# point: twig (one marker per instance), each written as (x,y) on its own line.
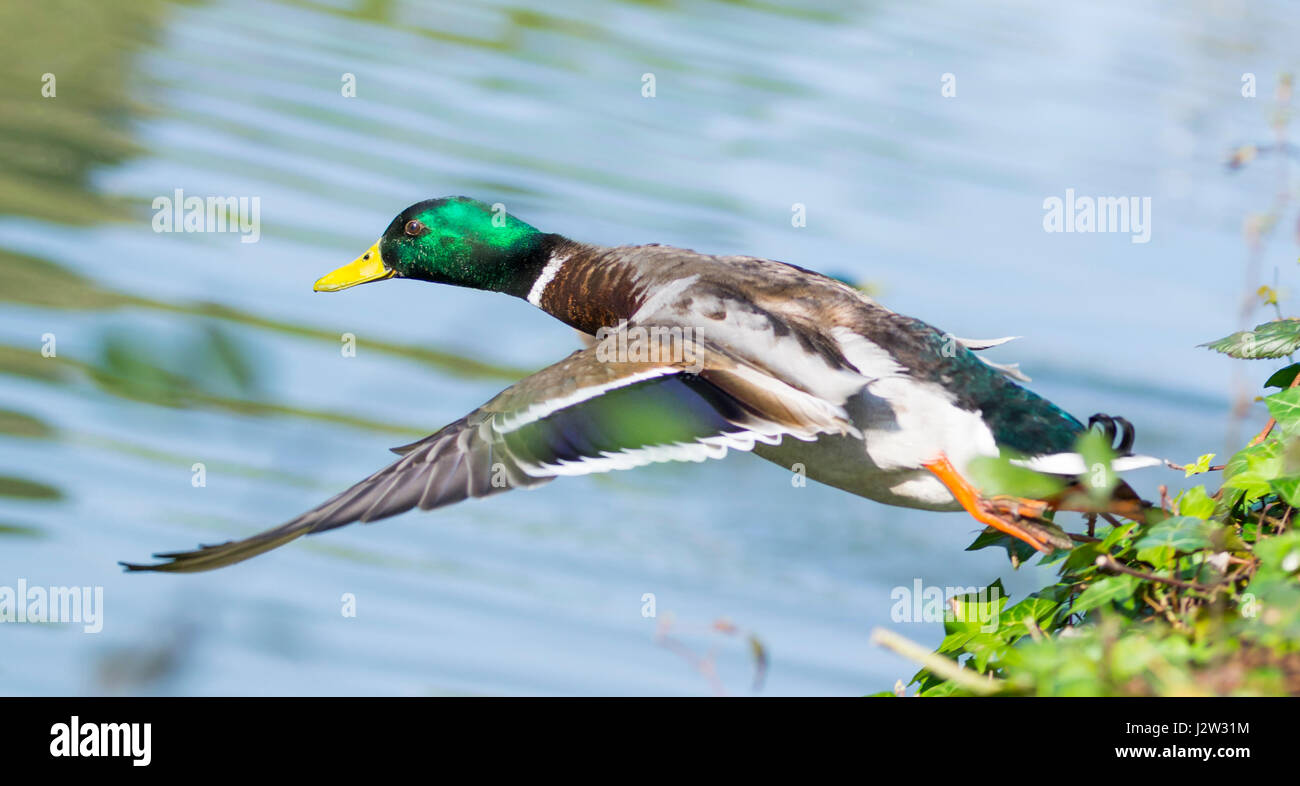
(938,665)
(1109,564)
(1162,607)
(1111,520)
(1183,467)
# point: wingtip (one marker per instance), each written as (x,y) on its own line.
(155,567)
(132,567)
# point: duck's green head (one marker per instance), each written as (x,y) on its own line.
(454,240)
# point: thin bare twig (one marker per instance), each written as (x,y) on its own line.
(938,665)
(1109,564)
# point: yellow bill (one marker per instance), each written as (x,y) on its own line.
(367,267)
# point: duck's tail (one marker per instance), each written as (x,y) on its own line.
(1124,501)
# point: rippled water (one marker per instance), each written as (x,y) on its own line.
(180,348)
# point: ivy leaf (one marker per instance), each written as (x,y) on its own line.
(1283,377)
(1285,408)
(1180,533)
(1196,503)
(954,642)
(1112,589)
(1082,556)
(1035,610)
(985,647)
(1202,464)
(1282,552)
(1115,535)
(1275,339)
(1252,469)
(997,475)
(1279,559)
(974,612)
(1288,489)
(942,689)
(1018,551)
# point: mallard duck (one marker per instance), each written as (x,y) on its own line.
(695,355)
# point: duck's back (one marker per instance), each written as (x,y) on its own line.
(813,330)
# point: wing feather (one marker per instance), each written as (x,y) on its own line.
(578,416)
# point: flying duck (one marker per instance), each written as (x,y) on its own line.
(692,355)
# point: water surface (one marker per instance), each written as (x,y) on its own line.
(180,348)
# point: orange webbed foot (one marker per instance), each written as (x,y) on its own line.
(1005,514)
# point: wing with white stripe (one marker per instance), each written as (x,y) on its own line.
(579,416)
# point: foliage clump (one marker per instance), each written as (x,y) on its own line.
(1202,597)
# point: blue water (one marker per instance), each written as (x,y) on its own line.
(936,203)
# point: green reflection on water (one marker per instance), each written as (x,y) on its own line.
(20,424)
(50,146)
(21,488)
(135,374)
(39,282)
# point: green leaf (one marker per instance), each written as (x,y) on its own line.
(1283,377)
(1270,340)
(1195,502)
(1288,489)
(1112,589)
(985,647)
(1083,555)
(974,612)
(1275,580)
(1018,551)
(1253,468)
(942,689)
(1115,535)
(1180,533)
(954,642)
(1131,655)
(1202,464)
(1285,408)
(1035,608)
(997,475)
(1282,552)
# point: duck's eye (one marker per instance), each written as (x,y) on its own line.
(414,228)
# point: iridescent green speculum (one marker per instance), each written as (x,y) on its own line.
(465,242)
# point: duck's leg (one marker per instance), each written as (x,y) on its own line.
(1020,507)
(986,512)
(1123,502)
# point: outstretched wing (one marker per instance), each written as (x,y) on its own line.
(584,414)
